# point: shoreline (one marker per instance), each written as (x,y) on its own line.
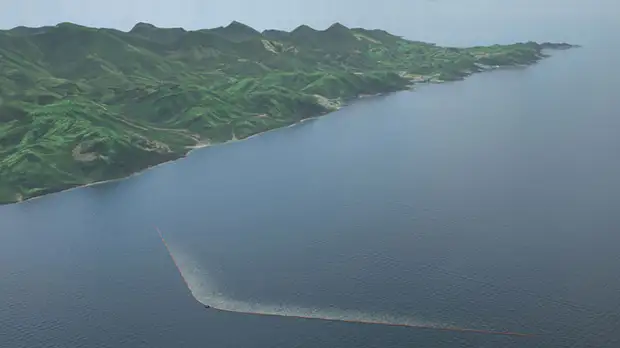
(191,148)
(411,87)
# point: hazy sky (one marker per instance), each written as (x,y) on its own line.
(412,18)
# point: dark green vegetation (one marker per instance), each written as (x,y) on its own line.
(80,105)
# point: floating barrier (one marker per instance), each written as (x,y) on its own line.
(329,315)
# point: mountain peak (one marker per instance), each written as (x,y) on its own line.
(303,29)
(236,31)
(236,24)
(341,34)
(337,26)
(71,25)
(240,27)
(141,26)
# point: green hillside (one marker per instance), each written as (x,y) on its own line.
(80,105)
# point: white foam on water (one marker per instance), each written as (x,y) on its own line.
(204,289)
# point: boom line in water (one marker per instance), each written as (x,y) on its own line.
(355,321)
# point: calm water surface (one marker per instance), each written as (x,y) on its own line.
(487,203)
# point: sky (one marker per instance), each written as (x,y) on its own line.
(416,19)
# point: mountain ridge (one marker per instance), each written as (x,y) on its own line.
(80,105)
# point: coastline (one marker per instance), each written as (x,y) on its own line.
(200,145)
(191,148)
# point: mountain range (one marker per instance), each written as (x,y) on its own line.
(80,105)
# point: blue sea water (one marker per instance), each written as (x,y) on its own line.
(489,203)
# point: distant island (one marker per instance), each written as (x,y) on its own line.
(80,105)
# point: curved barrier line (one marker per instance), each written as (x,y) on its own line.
(355,321)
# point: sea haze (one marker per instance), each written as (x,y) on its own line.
(489,203)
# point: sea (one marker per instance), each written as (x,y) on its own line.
(489,204)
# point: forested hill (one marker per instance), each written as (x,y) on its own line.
(80,105)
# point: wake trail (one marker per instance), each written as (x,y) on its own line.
(217,301)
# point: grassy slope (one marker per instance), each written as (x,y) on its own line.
(79,105)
